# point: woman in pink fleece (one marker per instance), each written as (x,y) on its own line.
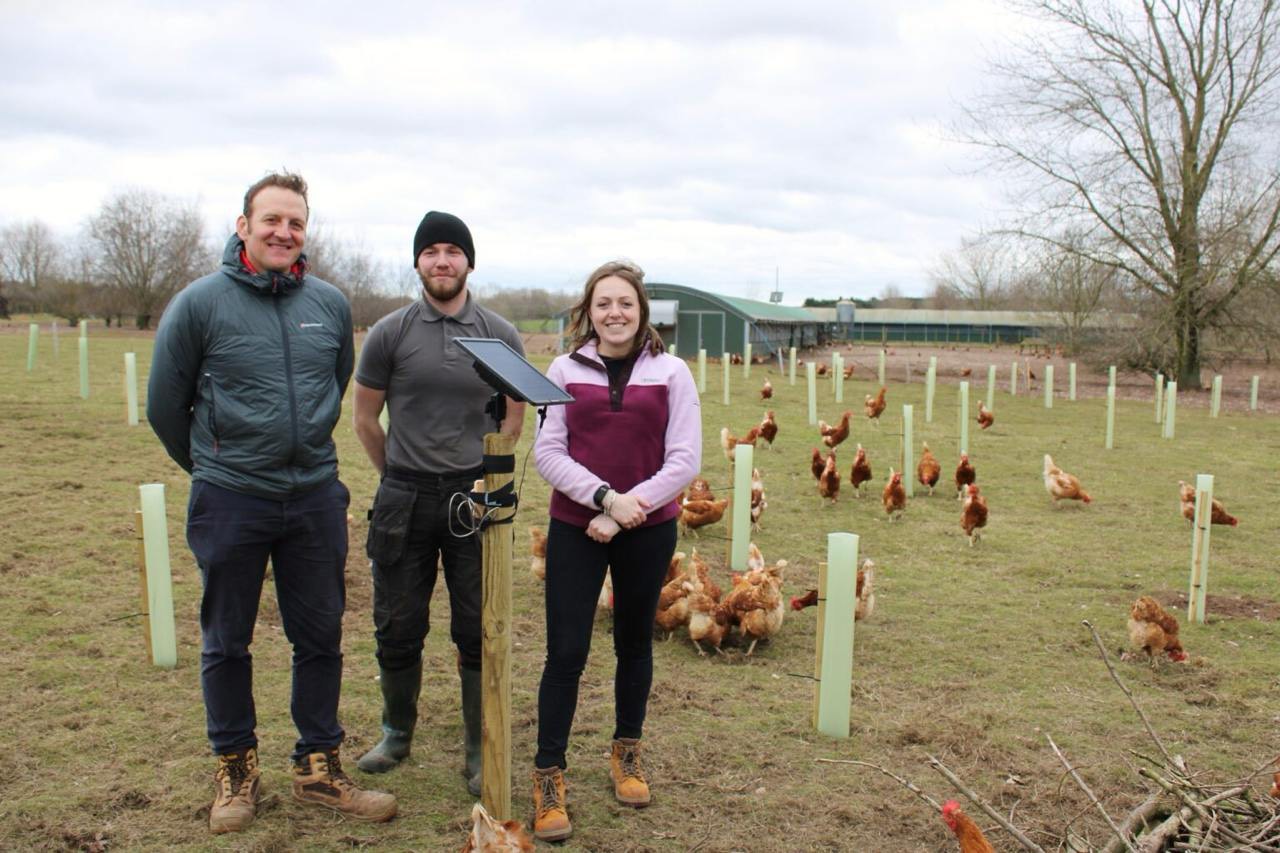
(617,457)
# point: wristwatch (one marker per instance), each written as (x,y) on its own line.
(598,497)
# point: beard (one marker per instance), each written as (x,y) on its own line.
(443,291)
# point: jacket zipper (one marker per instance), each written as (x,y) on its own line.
(213,419)
(288,372)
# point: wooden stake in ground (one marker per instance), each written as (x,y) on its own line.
(1111,416)
(1200,548)
(495,651)
(702,380)
(811,373)
(1048,386)
(1170,408)
(1215,398)
(131,388)
(33,342)
(964,417)
(740,507)
(793,365)
(908,450)
(725,363)
(837,584)
(155,532)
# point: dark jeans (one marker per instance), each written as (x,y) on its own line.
(637,560)
(403,585)
(232,535)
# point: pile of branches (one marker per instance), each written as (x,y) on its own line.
(1183,812)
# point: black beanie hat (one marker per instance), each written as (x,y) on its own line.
(438,227)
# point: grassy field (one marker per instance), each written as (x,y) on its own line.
(973,655)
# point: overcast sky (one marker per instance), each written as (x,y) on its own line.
(711,142)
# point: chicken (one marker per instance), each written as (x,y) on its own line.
(758,503)
(1062,486)
(964,475)
(755,560)
(864,593)
(735,358)
(604,602)
(816,464)
(755,604)
(702,575)
(695,514)
(861,471)
(966,371)
(821,370)
(928,470)
(1218,513)
(829,479)
(1154,631)
(966,831)
(985,416)
(673,600)
(894,495)
(974,514)
(1275,786)
(766,390)
(848,372)
(875,405)
(833,434)
(700,490)
(490,836)
(729,441)
(769,427)
(538,552)
(707,622)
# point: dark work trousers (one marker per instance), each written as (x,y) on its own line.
(232,535)
(402,587)
(637,560)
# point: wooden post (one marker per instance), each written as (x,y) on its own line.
(746,361)
(1200,548)
(811,373)
(1253,394)
(142,582)
(84,368)
(930,382)
(964,417)
(1159,397)
(1170,409)
(155,531)
(33,342)
(792,369)
(726,365)
(908,451)
(495,652)
(991,386)
(838,376)
(702,371)
(740,507)
(1071,381)
(131,388)
(1048,386)
(837,596)
(1111,416)
(881,371)
(1215,397)
(1013,379)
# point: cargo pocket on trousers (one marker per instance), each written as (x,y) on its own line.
(390,521)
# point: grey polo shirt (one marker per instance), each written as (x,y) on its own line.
(435,398)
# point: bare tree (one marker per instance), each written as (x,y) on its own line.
(30,264)
(980,273)
(146,247)
(1149,125)
(1073,286)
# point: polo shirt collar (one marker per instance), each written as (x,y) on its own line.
(431,314)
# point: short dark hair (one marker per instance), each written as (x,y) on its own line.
(284,180)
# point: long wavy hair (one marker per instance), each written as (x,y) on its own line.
(580,328)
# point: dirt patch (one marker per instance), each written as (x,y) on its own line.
(1226,606)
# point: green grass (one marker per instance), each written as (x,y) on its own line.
(973,655)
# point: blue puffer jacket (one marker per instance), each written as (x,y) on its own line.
(248,375)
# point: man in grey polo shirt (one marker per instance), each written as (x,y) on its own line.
(433,451)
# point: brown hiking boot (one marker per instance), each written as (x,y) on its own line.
(237,780)
(318,778)
(629,785)
(550,805)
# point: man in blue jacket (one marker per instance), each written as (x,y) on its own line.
(246,385)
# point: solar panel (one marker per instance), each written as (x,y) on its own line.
(507,371)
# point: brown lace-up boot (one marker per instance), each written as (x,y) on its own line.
(550,805)
(237,798)
(629,785)
(318,778)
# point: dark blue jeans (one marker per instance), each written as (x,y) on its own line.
(418,537)
(637,560)
(232,535)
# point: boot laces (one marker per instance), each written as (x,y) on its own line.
(333,768)
(234,772)
(630,760)
(550,793)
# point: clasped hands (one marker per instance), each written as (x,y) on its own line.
(625,511)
